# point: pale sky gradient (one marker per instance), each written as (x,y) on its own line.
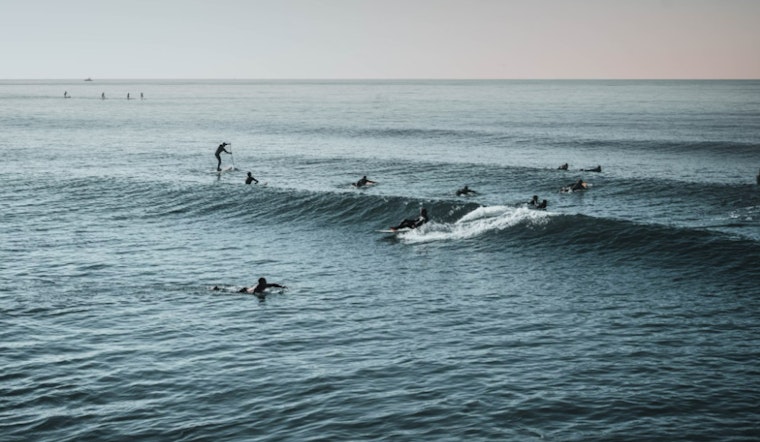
(342,39)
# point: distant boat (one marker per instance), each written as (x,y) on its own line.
(88,79)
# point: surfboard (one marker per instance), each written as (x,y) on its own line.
(392,231)
(366,185)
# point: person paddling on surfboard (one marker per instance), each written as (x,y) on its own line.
(258,291)
(219,150)
(578,185)
(250,179)
(413,223)
(363,182)
(465,191)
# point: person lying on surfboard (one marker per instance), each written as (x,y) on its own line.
(363,182)
(250,178)
(260,288)
(465,191)
(413,223)
(578,185)
(219,150)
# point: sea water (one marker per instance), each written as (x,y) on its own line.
(629,311)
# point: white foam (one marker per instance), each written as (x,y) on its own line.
(476,223)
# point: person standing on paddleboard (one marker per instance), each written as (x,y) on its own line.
(218,156)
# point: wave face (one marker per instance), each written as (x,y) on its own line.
(630,308)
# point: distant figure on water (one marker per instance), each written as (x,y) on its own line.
(595,169)
(66,94)
(563,167)
(363,182)
(127,95)
(262,285)
(578,185)
(103,96)
(141,96)
(465,191)
(218,156)
(413,223)
(542,205)
(533,201)
(249,179)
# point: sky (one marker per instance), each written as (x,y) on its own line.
(380,39)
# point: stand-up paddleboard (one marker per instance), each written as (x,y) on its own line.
(225,170)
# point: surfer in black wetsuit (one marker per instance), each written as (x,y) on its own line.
(465,191)
(250,179)
(219,150)
(413,223)
(542,205)
(258,291)
(563,167)
(579,185)
(363,182)
(534,201)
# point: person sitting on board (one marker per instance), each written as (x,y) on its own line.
(563,167)
(465,191)
(250,179)
(413,223)
(595,169)
(534,201)
(219,150)
(363,182)
(258,291)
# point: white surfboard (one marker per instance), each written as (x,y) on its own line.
(395,231)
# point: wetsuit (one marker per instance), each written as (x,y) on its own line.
(412,223)
(250,179)
(219,150)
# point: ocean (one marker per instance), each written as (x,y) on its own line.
(628,311)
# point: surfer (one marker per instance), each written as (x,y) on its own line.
(534,202)
(542,205)
(219,150)
(103,96)
(563,167)
(127,95)
(363,182)
(465,191)
(578,185)
(65,94)
(262,285)
(413,223)
(595,169)
(250,178)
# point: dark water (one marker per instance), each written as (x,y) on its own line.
(630,311)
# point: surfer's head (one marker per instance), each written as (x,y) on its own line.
(262,280)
